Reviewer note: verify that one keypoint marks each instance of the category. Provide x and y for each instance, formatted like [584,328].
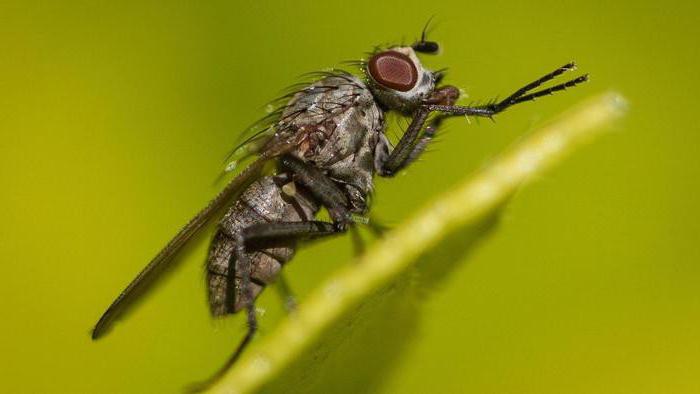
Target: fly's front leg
[519,96]
[446,95]
[410,147]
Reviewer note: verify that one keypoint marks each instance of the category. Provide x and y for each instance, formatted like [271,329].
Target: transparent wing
[256,137]
[252,139]
[147,276]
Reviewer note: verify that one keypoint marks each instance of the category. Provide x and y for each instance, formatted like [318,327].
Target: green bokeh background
[115,118]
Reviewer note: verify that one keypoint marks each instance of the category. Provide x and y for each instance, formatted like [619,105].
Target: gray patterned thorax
[337,125]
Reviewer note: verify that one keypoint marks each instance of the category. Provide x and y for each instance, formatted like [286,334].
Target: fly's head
[397,78]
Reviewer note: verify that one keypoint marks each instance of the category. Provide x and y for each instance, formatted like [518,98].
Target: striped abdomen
[263,201]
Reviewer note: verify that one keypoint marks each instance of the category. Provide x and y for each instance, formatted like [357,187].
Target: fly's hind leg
[266,231]
[325,190]
[246,292]
[243,240]
[240,261]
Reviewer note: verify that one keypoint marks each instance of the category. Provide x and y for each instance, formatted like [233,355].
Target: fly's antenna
[424,33]
[425,46]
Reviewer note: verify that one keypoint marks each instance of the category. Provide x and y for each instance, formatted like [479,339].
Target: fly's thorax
[398,80]
[336,124]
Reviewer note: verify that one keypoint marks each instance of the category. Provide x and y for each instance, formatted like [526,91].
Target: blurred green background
[115,119]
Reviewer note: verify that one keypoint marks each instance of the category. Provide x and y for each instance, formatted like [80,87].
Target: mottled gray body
[328,142]
[336,126]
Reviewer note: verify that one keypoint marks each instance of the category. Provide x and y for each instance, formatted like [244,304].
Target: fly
[327,143]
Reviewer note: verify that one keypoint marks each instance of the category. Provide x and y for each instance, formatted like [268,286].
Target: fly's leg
[328,193]
[330,196]
[391,164]
[243,240]
[323,188]
[378,229]
[446,95]
[519,96]
[422,143]
[410,147]
[358,244]
[288,230]
[490,110]
[290,303]
[239,260]
[246,292]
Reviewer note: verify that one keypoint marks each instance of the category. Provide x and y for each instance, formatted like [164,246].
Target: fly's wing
[255,137]
[297,101]
[146,277]
[252,140]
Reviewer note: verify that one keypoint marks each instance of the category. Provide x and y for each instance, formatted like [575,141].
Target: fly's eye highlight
[393,70]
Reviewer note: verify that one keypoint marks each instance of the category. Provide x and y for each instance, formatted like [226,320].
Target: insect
[326,142]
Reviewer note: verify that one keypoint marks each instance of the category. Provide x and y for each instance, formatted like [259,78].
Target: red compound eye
[393,70]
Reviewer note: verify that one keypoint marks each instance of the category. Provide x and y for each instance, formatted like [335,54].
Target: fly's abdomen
[262,202]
